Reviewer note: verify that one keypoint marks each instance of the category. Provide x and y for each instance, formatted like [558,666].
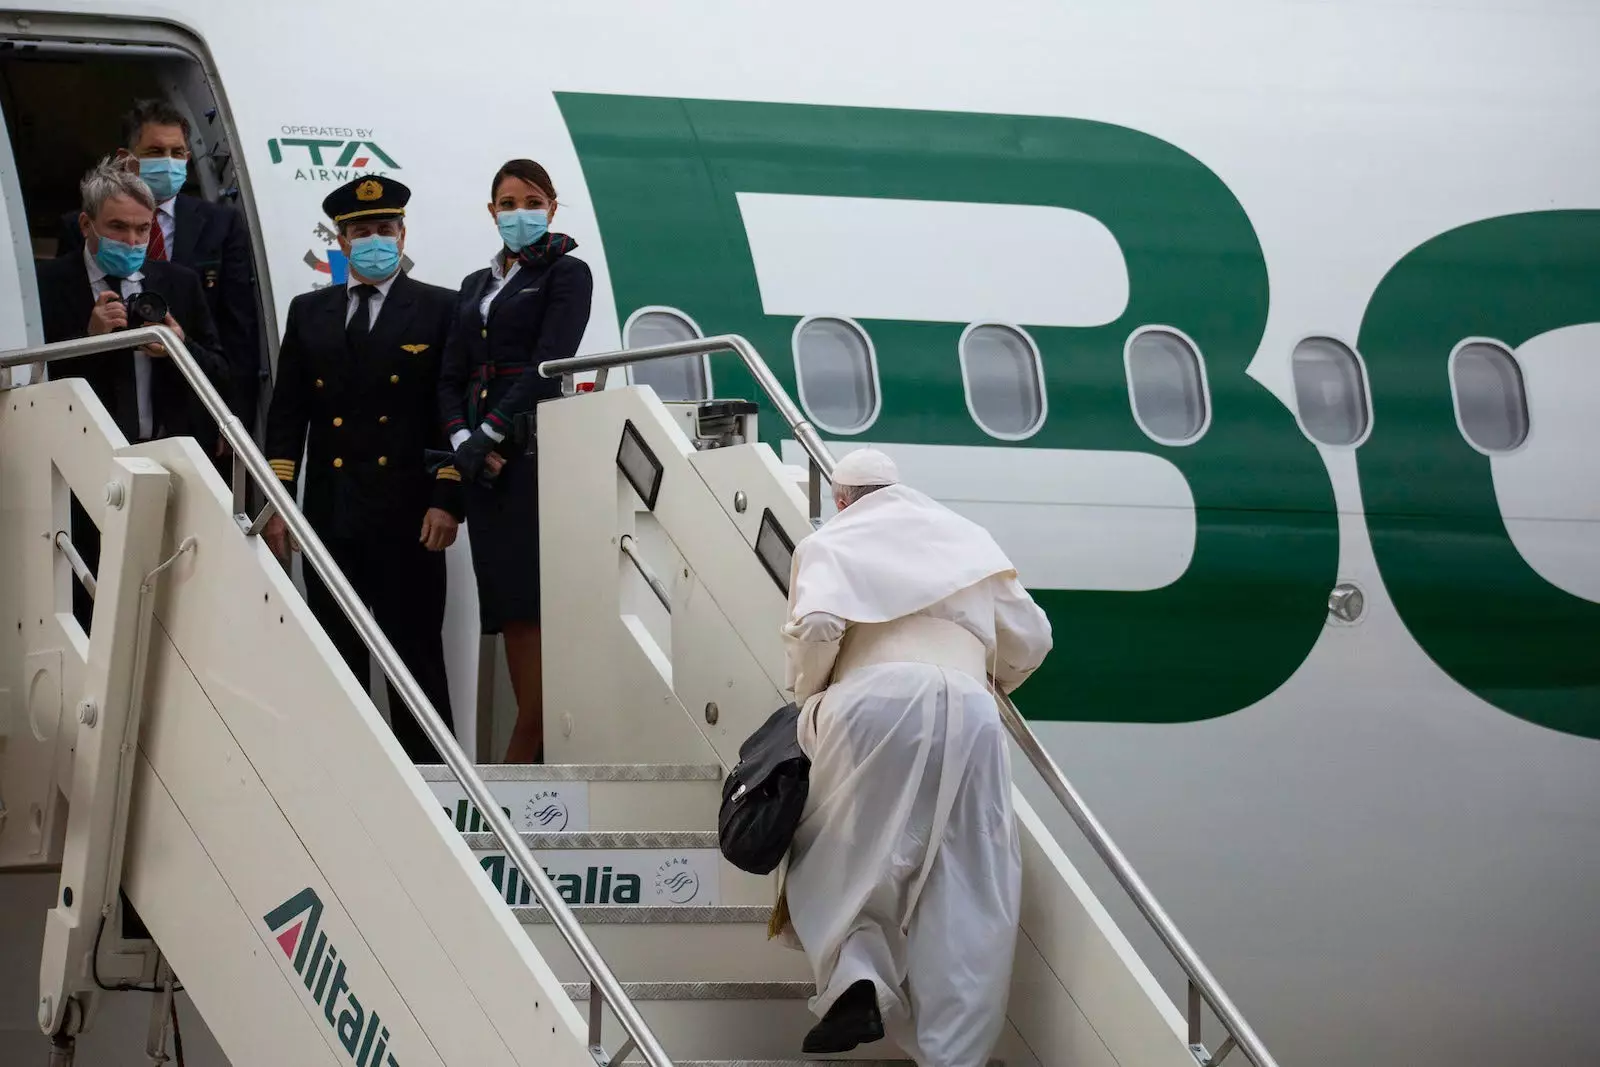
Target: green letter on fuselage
[664,173]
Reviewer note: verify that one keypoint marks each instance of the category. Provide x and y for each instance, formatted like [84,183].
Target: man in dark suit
[358,378]
[94,292]
[210,239]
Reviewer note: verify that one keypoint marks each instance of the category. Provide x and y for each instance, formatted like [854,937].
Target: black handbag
[764,795]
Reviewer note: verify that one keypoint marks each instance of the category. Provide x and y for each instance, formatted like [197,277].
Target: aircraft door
[19,292]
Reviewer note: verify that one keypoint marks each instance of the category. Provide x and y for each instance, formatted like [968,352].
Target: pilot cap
[866,466]
[368,198]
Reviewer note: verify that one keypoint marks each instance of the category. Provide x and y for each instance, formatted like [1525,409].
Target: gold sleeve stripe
[449,474]
[283,468]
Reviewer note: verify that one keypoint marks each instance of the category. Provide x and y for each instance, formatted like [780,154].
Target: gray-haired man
[93,293]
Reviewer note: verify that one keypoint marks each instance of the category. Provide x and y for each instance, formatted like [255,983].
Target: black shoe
[853,1020]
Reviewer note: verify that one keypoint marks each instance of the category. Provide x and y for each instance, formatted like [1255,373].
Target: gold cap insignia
[413,349]
[369,190]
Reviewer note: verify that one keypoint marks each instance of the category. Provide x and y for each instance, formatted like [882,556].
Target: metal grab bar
[630,549]
[65,546]
[1202,984]
[248,459]
[821,465]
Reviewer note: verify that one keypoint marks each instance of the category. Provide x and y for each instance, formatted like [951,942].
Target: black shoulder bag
[764,795]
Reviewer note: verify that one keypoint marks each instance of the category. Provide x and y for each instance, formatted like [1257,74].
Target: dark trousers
[403,585]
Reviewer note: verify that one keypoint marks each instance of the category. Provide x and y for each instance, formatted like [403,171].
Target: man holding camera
[109,287]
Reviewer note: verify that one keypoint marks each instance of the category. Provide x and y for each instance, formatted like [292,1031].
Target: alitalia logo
[316,960]
[596,885]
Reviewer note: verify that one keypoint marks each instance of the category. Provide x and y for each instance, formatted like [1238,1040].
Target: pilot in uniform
[356,390]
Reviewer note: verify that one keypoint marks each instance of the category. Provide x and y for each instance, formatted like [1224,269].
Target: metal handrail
[631,550]
[1202,983]
[821,465]
[248,459]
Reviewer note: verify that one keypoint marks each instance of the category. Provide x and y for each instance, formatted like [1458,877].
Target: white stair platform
[581,796]
[654,944]
[660,867]
[763,1021]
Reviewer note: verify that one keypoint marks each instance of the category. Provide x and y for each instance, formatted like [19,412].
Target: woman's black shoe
[853,1020]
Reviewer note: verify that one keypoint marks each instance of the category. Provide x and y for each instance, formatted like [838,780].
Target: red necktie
[158,243]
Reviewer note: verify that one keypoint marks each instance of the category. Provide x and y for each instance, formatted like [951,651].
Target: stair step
[578,797]
[580,772]
[642,915]
[799,1063]
[608,839]
[625,867]
[703,990]
[751,1023]
[737,1021]
[642,943]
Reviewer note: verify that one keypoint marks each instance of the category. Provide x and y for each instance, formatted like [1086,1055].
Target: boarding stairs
[203,758]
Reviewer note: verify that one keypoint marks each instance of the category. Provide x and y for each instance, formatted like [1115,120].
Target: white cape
[891,553]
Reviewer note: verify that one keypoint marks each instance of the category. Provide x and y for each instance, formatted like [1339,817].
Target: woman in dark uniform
[529,305]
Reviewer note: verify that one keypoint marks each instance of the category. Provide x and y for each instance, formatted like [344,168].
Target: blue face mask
[375,257]
[520,227]
[117,259]
[164,176]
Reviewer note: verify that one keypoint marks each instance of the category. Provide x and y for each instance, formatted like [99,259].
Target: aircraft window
[1491,404]
[685,378]
[1167,383]
[1330,391]
[837,372]
[1004,381]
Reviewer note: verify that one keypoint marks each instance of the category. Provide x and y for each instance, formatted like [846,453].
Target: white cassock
[906,867]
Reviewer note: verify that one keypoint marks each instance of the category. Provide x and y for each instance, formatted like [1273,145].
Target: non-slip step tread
[649,915]
[621,839]
[791,1063]
[799,1063]
[581,772]
[703,990]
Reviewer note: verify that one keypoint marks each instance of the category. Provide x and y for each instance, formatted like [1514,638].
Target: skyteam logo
[677,881]
[546,811]
[295,923]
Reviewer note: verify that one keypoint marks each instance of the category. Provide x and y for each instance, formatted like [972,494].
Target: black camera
[146,309]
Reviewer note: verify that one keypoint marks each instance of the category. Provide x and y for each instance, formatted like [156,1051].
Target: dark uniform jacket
[66,302]
[211,240]
[371,415]
[490,373]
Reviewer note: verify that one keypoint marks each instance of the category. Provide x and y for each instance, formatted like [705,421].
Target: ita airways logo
[677,881]
[330,154]
[330,263]
[546,812]
[295,925]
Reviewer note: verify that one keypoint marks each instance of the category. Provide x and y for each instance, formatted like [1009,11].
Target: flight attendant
[529,305]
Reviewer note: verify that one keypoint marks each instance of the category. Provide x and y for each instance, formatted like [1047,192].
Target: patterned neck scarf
[546,250]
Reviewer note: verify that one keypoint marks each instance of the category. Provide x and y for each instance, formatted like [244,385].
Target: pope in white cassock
[903,884]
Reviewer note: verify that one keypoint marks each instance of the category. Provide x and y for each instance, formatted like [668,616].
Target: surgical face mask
[164,176]
[520,227]
[117,259]
[375,257]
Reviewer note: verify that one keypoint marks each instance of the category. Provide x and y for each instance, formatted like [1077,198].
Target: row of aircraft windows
[837,371]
